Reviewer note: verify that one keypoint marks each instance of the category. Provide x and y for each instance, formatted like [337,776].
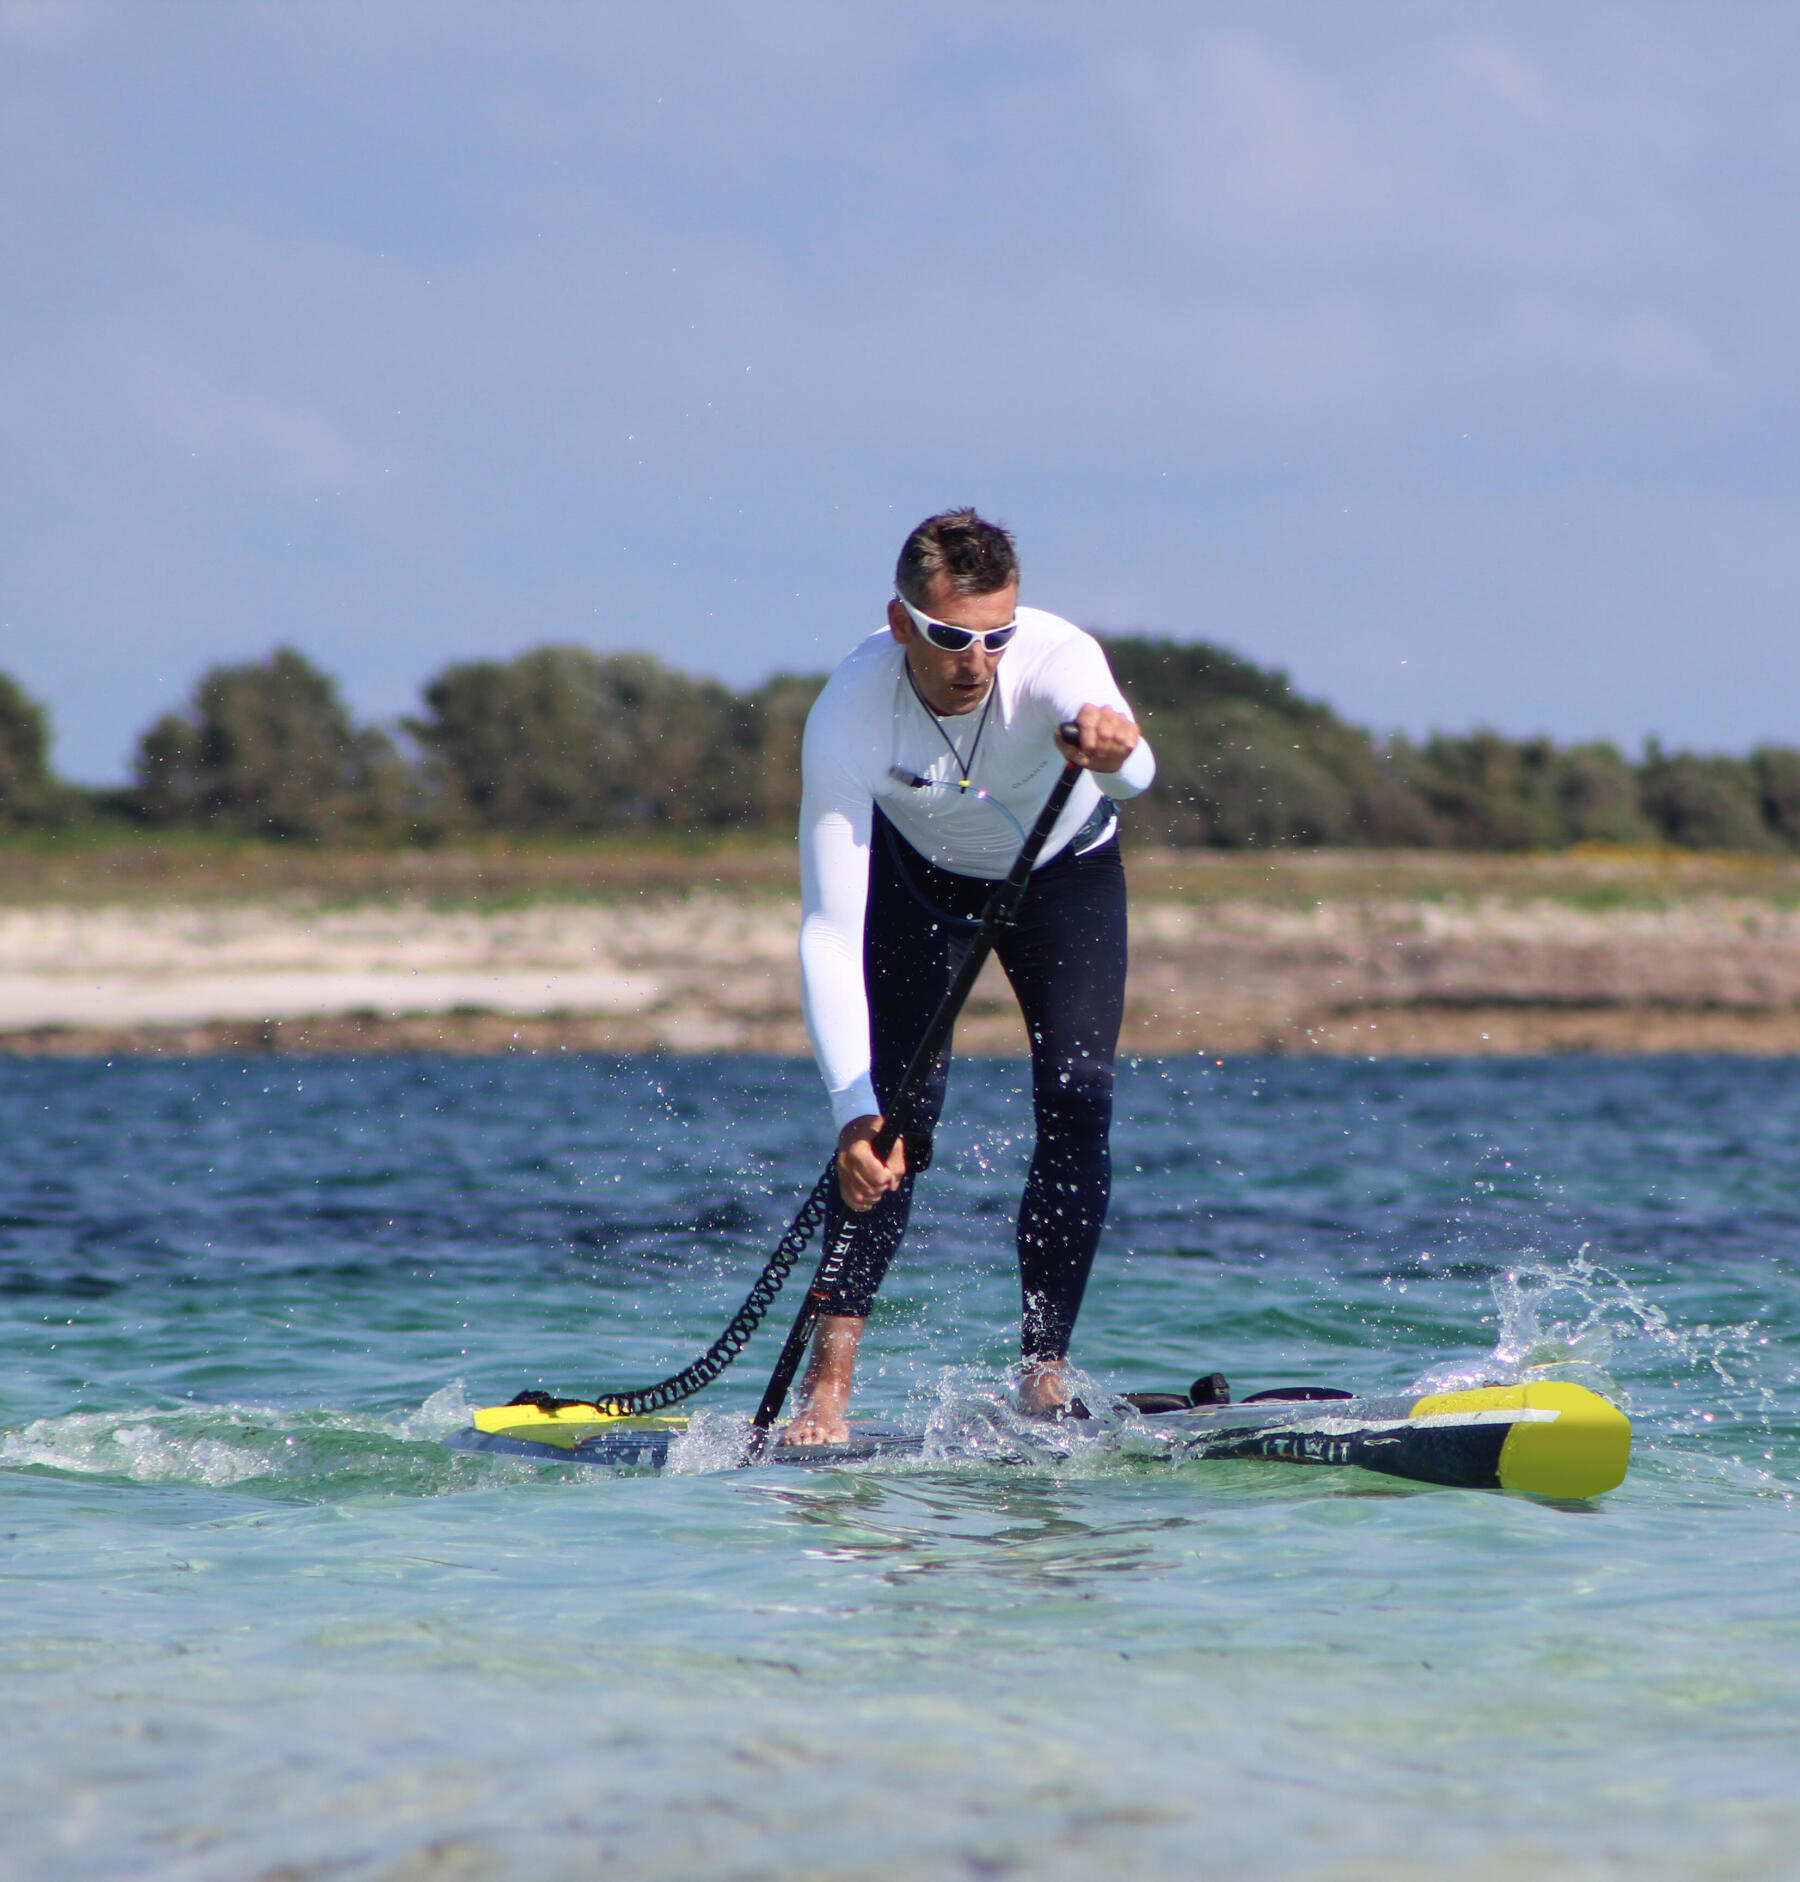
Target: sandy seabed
[716,972]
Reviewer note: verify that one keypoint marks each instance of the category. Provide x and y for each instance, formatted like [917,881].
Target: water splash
[307,1454]
[153,1446]
[713,1441]
[448,1409]
[1554,1323]
[971,1418]
[1585,1322]
[975,1419]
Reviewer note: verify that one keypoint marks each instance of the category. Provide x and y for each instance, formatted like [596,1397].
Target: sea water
[259,1621]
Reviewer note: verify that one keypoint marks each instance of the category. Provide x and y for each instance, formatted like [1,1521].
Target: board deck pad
[1547,1438]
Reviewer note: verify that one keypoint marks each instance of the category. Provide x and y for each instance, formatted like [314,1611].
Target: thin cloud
[285,448]
[410,331]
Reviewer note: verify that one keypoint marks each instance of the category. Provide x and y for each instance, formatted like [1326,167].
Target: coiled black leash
[641,1400]
[644,1399]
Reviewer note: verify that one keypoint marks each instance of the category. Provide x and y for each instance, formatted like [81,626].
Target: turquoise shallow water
[260,1623]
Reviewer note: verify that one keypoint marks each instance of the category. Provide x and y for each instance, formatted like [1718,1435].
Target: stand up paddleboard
[1548,1439]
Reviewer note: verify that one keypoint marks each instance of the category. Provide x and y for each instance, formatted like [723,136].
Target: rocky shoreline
[1381,972]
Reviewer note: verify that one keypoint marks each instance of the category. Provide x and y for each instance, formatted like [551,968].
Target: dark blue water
[260,1622]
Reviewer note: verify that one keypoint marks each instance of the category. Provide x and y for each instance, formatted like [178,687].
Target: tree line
[561,741]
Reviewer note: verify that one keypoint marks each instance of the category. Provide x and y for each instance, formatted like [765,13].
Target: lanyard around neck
[987,705]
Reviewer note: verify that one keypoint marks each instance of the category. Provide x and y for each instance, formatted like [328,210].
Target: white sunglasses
[954,639]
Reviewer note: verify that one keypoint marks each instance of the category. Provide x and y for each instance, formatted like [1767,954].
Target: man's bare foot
[825,1390]
[1042,1389]
[817,1424]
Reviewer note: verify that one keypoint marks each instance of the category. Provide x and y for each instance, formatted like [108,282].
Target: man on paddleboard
[926,757]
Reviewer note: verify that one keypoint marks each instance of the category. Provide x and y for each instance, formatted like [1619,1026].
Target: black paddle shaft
[1002,905]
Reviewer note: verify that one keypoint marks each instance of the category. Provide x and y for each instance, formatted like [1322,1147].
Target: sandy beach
[1368,966]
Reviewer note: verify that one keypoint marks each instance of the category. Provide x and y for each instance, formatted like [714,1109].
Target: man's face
[954,682]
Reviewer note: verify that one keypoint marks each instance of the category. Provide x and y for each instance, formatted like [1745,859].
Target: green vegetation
[268,750]
[30,798]
[1243,761]
[562,740]
[565,745]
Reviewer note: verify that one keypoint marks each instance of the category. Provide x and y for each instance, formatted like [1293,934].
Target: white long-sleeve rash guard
[867,724]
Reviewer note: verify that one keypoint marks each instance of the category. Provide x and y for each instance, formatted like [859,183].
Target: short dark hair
[977,556]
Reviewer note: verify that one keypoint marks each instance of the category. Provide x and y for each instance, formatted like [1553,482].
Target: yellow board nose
[1570,1443]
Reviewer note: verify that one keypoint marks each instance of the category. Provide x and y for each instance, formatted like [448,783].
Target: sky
[1440,354]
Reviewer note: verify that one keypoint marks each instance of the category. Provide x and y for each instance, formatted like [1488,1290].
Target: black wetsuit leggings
[1065,957]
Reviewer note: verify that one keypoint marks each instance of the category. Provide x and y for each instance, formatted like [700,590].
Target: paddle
[1002,905]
